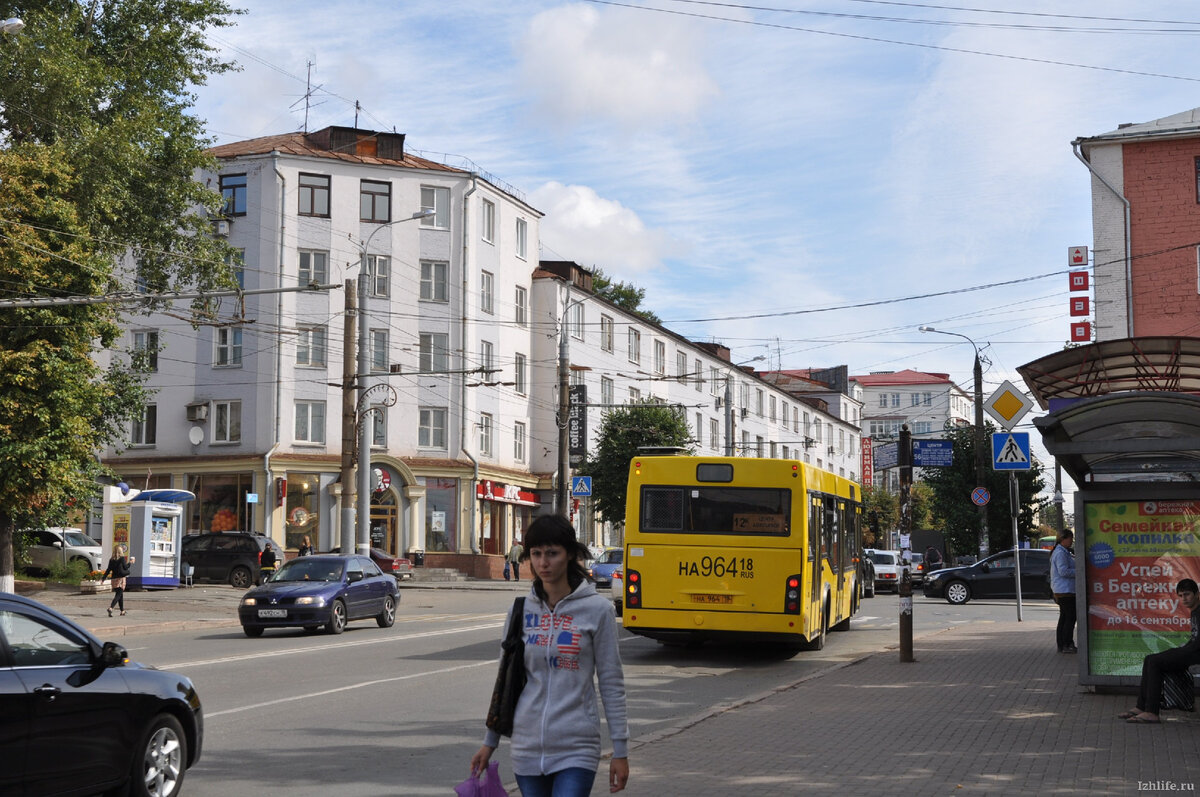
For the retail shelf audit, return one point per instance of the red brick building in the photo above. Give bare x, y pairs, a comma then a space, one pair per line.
1146, 227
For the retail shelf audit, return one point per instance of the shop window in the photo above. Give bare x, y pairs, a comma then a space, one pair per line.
303, 509
441, 505
220, 503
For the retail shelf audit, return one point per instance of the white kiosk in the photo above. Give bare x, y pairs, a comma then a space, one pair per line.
150, 523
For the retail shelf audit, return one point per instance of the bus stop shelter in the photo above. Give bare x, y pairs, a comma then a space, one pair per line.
1124, 423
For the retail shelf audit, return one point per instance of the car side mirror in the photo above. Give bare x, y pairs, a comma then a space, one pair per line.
113, 655
355, 576
57, 544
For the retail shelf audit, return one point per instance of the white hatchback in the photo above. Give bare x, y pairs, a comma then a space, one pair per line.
888, 570
618, 590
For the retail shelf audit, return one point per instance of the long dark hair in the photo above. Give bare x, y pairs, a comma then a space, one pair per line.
556, 530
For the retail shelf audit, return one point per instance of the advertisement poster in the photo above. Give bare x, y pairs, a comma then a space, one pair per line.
120, 528
1137, 551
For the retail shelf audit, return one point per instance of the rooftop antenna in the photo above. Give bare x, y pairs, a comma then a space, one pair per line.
357, 108
309, 91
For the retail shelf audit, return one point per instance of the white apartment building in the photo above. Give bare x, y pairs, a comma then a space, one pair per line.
927, 402
463, 330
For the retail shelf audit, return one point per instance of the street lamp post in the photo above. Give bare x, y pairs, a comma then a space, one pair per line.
563, 494
980, 453
363, 525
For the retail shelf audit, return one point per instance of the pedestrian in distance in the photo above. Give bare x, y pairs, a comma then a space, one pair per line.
933, 559
570, 635
1062, 584
306, 548
1156, 666
118, 568
515, 553
267, 561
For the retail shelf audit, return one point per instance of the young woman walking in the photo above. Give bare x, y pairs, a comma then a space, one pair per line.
118, 568
570, 635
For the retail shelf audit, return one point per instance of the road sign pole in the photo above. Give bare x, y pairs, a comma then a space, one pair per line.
905, 588
1014, 501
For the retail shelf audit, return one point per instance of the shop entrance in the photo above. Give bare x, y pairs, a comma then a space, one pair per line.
384, 524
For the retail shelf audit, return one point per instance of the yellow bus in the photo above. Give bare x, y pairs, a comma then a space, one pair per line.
732, 548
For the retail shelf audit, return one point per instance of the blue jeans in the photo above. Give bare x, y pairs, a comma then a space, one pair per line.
572, 782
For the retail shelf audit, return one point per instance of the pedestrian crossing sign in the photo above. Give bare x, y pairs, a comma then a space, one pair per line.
581, 486
1010, 451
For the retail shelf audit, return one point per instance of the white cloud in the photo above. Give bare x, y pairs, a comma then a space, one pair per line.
582, 64
580, 225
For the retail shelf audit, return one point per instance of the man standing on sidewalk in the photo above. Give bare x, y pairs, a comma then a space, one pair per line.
1156, 666
514, 558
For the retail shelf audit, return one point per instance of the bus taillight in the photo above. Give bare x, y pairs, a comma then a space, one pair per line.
791, 597
633, 589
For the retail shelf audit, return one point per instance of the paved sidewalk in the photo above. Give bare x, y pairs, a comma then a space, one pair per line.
987, 709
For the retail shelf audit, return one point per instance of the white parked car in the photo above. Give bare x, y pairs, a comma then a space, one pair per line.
887, 569
618, 590
59, 546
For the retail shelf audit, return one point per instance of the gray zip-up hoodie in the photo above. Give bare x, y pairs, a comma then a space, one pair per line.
557, 724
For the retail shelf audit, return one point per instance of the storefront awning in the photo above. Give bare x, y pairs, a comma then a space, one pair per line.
165, 496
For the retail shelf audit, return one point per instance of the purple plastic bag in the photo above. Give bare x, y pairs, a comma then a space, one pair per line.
483, 786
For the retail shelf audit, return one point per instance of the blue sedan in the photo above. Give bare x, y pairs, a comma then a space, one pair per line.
321, 591
602, 569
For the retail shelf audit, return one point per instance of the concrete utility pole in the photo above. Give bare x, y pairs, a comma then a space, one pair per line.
349, 406
905, 589
563, 494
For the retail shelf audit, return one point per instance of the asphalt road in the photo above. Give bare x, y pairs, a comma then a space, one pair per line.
399, 711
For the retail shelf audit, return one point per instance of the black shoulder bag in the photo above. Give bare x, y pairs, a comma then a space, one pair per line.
510, 680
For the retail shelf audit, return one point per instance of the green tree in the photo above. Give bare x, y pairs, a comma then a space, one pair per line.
98, 151
623, 294
952, 489
622, 432
881, 514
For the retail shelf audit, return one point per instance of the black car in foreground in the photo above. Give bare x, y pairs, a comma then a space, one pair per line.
993, 577
78, 718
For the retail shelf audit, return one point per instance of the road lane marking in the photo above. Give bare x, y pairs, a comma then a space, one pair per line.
254, 707
261, 654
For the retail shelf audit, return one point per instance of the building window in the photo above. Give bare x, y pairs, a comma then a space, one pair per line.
635, 396
378, 426
487, 221
314, 195
895, 399
681, 367
310, 421
236, 263
758, 402
606, 391
229, 347
379, 350
784, 417
916, 399
145, 347
310, 346
432, 432
759, 447
519, 441
714, 380
922, 427
521, 305
928, 399
375, 201
485, 434
437, 200
145, 428
487, 292
519, 374
771, 409
233, 191
714, 434
487, 359
698, 375
435, 281
378, 275
575, 321
606, 333
660, 357
522, 227
635, 346
435, 355
883, 399
227, 423
314, 267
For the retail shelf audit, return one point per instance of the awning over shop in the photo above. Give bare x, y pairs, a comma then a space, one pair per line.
1129, 436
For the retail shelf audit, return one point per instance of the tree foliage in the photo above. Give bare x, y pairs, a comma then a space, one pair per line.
98, 153
952, 489
622, 432
625, 295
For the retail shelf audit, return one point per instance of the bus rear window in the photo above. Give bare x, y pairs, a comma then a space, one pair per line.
750, 511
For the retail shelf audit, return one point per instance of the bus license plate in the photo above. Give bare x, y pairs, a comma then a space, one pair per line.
272, 612
702, 598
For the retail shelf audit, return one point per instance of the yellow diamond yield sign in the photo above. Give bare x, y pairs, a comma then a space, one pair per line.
1008, 405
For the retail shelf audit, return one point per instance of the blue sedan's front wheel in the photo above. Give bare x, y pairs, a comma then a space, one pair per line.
337, 618
387, 617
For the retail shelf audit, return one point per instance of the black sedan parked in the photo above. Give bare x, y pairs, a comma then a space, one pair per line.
326, 590
78, 718
993, 577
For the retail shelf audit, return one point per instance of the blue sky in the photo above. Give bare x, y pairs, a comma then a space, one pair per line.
765, 166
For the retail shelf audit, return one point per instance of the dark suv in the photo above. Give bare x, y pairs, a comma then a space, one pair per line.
225, 556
